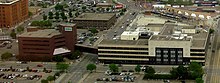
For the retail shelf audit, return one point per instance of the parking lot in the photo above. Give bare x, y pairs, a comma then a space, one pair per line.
25, 72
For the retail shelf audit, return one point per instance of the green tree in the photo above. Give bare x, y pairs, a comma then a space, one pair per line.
211, 31
174, 73
50, 78
75, 54
121, 13
84, 7
199, 80
196, 70
138, 68
150, 70
30, 13
91, 67
62, 14
45, 17
182, 71
44, 81
70, 14
20, 29
6, 55
27, 68
57, 15
64, 17
149, 0
113, 67
13, 34
58, 58
93, 30
62, 66
44, 70
76, 14
107, 9
59, 7
170, 2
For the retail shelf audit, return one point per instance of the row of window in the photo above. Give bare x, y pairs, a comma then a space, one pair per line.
118, 56
123, 52
123, 48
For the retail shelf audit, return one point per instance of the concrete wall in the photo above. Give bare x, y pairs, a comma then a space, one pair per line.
169, 44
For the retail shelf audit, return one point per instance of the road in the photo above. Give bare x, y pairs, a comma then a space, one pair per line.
77, 71
117, 30
213, 70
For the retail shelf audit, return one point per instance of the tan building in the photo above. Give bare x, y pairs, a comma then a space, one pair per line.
100, 21
12, 12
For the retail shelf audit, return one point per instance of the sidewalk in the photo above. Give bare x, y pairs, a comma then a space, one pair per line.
84, 77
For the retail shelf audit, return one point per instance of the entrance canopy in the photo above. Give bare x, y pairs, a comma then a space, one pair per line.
58, 51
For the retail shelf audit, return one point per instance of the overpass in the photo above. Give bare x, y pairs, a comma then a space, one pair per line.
85, 48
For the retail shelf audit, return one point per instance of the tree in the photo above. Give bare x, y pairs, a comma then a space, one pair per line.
50, 15
150, 70
93, 30
113, 67
211, 31
121, 13
91, 67
107, 9
45, 17
20, 29
44, 70
77, 14
199, 80
138, 68
196, 70
182, 71
174, 73
149, 0
75, 55
62, 66
62, 14
59, 7
84, 8
58, 58
70, 14
57, 15
13, 34
50, 78
44, 81
64, 17
27, 68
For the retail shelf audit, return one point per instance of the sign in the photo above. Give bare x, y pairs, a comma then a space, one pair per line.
68, 29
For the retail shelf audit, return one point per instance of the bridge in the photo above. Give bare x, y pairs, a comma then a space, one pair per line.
85, 48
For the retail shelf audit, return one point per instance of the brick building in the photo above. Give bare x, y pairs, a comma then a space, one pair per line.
12, 12
41, 45
98, 20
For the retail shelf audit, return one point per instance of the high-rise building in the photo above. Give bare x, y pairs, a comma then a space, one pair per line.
12, 12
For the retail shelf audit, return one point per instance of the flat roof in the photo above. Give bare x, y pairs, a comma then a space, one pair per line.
95, 16
167, 38
46, 33
146, 19
124, 42
199, 40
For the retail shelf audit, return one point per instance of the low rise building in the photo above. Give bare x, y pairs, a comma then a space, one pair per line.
101, 21
172, 46
42, 45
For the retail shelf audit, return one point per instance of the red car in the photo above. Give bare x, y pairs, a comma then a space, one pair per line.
39, 65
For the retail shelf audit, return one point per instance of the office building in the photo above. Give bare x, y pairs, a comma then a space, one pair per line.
101, 21
173, 45
42, 45
12, 12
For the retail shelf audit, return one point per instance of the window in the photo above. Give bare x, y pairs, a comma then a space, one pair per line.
173, 60
158, 59
165, 59
165, 55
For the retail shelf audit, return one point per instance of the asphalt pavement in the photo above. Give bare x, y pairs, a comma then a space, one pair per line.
213, 68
